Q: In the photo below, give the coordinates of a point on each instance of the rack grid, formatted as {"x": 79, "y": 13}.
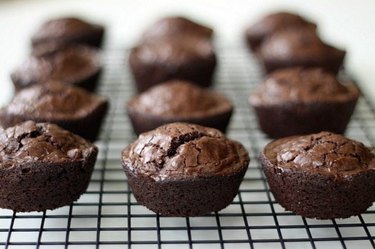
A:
{"x": 108, "y": 216}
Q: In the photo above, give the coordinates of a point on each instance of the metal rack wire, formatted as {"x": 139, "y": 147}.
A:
{"x": 107, "y": 215}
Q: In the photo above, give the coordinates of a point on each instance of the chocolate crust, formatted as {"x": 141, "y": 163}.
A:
{"x": 299, "y": 47}
{"x": 77, "y": 65}
{"x": 191, "y": 197}
{"x": 176, "y": 25}
{"x": 71, "y": 108}
{"x": 263, "y": 28}
{"x": 87, "y": 127}
{"x": 179, "y": 101}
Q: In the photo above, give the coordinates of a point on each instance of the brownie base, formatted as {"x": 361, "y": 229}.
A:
{"x": 143, "y": 122}
{"x": 316, "y": 195}
{"x": 87, "y": 127}
{"x": 332, "y": 65}
{"x": 252, "y": 43}
{"x": 147, "y": 75}
{"x": 41, "y": 186}
{"x": 282, "y": 120}
{"x": 188, "y": 197}
{"x": 90, "y": 83}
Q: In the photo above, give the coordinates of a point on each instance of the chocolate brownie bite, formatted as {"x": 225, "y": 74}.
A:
{"x": 179, "y": 101}
{"x": 301, "y": 101}
{"x": 70, "y": 107}
{"x": 182, "y": 57}
{"x": 73, "y": 65}
{"x": 273, "y": 23}
{"x": 297, "y": 101}
{"x": 183, "y": 169}
{"x": 43, "y": 167}
{"x": 322, "y": 175}
{"x": 299, "y": 47}
{"x": 176, "y": 25}
{"x": 68, "y": 30}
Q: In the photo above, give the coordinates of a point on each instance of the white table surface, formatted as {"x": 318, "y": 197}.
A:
{"x": 347, "y": 24}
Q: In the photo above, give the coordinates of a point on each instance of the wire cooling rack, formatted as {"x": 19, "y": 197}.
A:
{"x": 108, "y": 216}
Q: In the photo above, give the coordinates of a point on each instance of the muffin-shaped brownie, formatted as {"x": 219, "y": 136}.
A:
{"x": 43, "y": 167}
{"x": 176, "y": 25}
{"x": 182, "y": 57}
{"x": 67, "y": 30}
{"x": 74, "y": 65}
{"x": 272, "y": 23}
{"x": 70, "y": 107}
{"x": 179, "y": 101}
{"x": 301, "y": 101}
{"x": 183, "y": 169}
{"x": 322, "y": 175}
{"x": 299, "y": 47}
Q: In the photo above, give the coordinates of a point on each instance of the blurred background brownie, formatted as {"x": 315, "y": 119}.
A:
{"x": 43, "y": 167}
{"x": 77, "y": 65}
{"x": 183, "y": 169}
{"x": 176, "y": 25}
{"x": 182, "y": 57}
{"x": 67, "y": 30}
{"x": 301, "y": 101}
{"x": 181, "y": 101}
{"x": 299, "y": 47}
{"x": 70, "y": 107}
{"x": 273, "y": 23}
{"x": 321, "y": 175}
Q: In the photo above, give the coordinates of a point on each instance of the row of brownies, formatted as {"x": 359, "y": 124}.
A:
{"x": 182, "y": 169}
{"x": 46, "y": 154}
{"x": 311, "y": 170}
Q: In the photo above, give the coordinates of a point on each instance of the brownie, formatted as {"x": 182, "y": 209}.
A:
{"x": 176, "y": 25}
{"x": 322, "y": 175}
{"x": 299, "y": 47}
{"x": 74, "y": 65}
{"x": 70, "y": 107}
{"x": 182, "y": 57}
{"x": 43, "y": 167}
{"x": 182, "y": 169}
{"x": 296, "y": 101}
{"x": 272, "y": 23}
{"x": 179, "y": 101}
{"x": 68, "y": 30}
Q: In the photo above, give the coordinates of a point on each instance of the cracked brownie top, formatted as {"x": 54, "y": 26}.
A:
{"x": 66, "y": 28}
{"x": 173, "y": 51}
{"x": 53, "y": 101}
{"x": 298, "y": 44}
{"x": 302, "y": 85}
{"x": 180, "y": 98}
{"x": 182, "y": 151}
{"x": 174, "y": 26}
{"x": 69, "y": 64}
{"x": 31, "y": 142}
{"x": 323, "y": 152}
